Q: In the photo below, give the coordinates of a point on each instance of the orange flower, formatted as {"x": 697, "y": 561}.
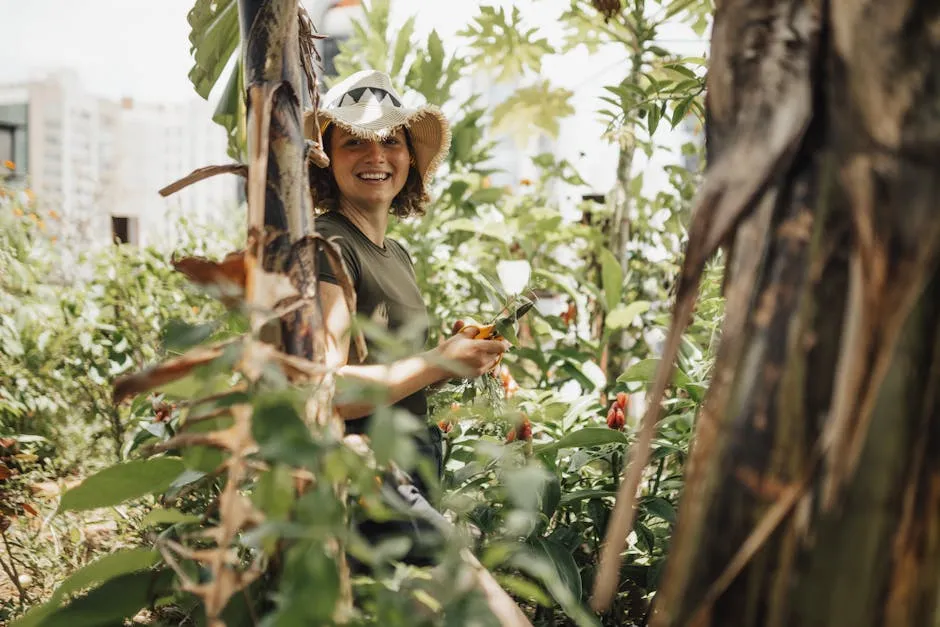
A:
{"x": 571, "y": 314}
{"x": 525, "y": 182}
{"x": 54, "y": 214}
{"x": 9, "y": 165}
{"x": 522, "y": 431}
{"x": 195, "y": 309}
{"x": 445, "y": 425}
{"x": 18, "y": 212}
{"x": 53, "y": 239}
{"x": 622, "y": 400}
{"x": 616, "y": 418}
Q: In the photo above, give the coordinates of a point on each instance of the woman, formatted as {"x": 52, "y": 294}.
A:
{"x": 382, "y": 158}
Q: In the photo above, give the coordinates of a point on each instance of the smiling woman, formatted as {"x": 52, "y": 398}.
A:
{"x": 382, "y": 157}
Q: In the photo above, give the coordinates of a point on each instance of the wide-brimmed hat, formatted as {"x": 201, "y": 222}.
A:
{"x": 366, "y": 105}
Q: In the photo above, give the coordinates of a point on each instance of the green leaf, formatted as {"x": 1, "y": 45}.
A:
{"x": 611, "y": 278}
{"x": 403, "y": 45}
{"x": 116, "y": 600}
{"x": 108, "y": 567}
{"x": 564, "y": 565}
{"x": 505, "y": 45}
{"x": 230, "y": 112}
{"x": 659, "y": 507}
{"x": 214, "y": 35}
{"x": 304, "y": 563}
{"x": 682, "y": 108}
{"x": 179, "y": 335}
{"x": 583, "y": 438}
{"x": 486, "y": 195}
{"x": 524, "y": 589}
{"x": 623, "y": 315}
{"x": 644, "y": 371}
{"x": 653, "y": 117}
{"x": 580, "y": 495}
{"x": 122, "y": 482}
{"x": 281, "y": 434}
{"x": 537, "y": 107}
{"x": 274, "y": 493}
{"x": 167, "y": 517}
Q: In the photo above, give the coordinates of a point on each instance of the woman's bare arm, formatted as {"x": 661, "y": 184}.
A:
{"x": 459, "y": 355}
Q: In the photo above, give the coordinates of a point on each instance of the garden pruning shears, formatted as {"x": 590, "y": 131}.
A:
{"x": 503, "y": 323}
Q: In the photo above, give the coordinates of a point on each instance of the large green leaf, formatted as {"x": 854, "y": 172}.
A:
{"x": 403, "y": 45}
{"x": 230, "y": 112}
{"x": 535, "y": 108}
{"x": 580, "y": 495}
{"x": 659, "y": 507}
{"x": 122, "y": 482}
{"x": 590, "y": 436}
{"x": 623, "y": 315}
{"x": 564, "y": 564}
{"x": 611, "y": 278}
{"x": 167, "y": 517}
{"x": 644, "y": 371}
{"x": 281, "y": 433}
{"x": 214, "y": 36}
{"x": 505, "y": 46}
{"x": 108, "y": 567}
{"x": 117, "y": 599}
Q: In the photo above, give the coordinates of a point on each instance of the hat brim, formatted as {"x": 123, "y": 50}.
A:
{"x": 427, "y": 126}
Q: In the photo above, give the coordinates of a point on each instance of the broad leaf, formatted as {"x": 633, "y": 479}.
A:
{"x": 122, "y": 482}
{"x": 214, "y": 35}
{"x": 659, "y": 507}
{"x": 538, "y": 107}
{"x": 280, "y": 432}
{"x": 644, "y": 371}
{"x": 611, "y": 278}
{"x": 116, "y": 600}
{"x": 623, "y": 315}
{"x": 591, "y": 436}
{"x": 168, "y": 517}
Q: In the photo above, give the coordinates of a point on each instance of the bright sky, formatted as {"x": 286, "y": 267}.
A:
{"x": 140, "y": 48}
{"x": 137, "y": 48}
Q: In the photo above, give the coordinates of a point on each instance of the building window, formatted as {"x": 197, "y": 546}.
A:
{"x": 123, "y": 230}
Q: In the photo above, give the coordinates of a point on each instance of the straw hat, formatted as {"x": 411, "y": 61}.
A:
{"x": 366, "y": 105}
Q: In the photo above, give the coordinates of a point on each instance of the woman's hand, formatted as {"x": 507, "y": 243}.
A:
{"x": 463, "y": 356}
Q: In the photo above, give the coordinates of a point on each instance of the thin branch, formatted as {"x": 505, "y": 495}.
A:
{"x": 203, "y": 173}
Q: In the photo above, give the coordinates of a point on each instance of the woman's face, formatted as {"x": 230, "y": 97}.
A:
{"x": 368, "y": 173}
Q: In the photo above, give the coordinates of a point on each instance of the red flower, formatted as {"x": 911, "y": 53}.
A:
{"x": 622, "y": 400}
{"x": 615, "y": 418}
{"x": 522, "y": 431}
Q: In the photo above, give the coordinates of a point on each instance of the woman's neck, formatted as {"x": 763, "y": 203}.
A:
{"x": 372, "y": 223}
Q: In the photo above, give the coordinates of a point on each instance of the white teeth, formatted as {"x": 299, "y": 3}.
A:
{"x": 373, "y": 176}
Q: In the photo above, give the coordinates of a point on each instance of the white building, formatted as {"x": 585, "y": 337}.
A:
{"x": 100, "y": 163}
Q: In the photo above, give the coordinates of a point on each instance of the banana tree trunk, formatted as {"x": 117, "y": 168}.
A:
{"x": 280, "y": 217}
{"x": 812, "y": 490}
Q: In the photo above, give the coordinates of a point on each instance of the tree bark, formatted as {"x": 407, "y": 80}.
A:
{"x": 281, "y": 230}
{"x": 813, "y": 488}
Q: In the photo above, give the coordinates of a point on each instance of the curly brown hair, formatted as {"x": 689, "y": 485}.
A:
{"x": 410, "y": 201}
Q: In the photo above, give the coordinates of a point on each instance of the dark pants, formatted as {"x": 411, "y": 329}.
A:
{"x": 409, "y": 495}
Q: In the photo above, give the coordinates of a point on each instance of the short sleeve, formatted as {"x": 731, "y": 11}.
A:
{"x": 329, "y": 231}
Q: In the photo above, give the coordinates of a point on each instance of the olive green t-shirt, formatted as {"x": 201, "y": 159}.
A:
{"x": 386, "y": 293}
